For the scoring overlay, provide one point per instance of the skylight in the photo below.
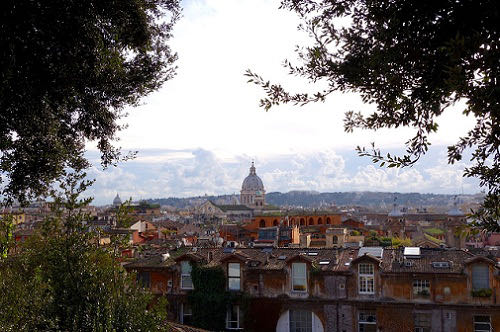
(324, 262)
(412, 252)
(441, 265)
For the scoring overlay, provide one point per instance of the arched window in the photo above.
(320, 221)
(302, 222)
(299, 320)
(275, 222)
(335, 239)
(328, 221)
(262, 223)
(311, 221)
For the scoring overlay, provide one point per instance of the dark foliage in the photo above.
(67, 70)
(210, 300)
(413, 59)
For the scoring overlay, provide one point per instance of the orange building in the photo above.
(315, 219)
(320, 221)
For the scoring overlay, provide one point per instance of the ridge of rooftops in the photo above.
(428, 260)
(297, 213)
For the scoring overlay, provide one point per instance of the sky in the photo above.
(199, 133)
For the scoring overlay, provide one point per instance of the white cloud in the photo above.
(199, 171)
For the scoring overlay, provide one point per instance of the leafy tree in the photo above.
(6, 234)
(69, 68)
(62, 280)
(413, 60)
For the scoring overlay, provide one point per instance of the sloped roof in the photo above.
(327, 260)
(394, 261)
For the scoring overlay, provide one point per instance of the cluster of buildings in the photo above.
(362, 289)
(309, 270)
(325, 271)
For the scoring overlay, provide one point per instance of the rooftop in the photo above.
(392, 260)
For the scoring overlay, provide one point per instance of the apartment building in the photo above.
(342, 289)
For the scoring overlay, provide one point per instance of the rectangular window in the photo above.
(186, 314)
(422, 322)
(300, 321)
(299, 277)
(234, 276)
(480, 277)
(144, 279)
(482, 324)
(366, 279)
(233, 318)
(367, 322)
(421, 287)
(186, 282)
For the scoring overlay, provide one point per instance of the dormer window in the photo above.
(366, 278)
(480, 277)
(186, 282)
(234, 276)
(299, 277)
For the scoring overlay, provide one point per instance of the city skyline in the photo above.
(197, 172)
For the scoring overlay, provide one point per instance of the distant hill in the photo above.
(310, 199)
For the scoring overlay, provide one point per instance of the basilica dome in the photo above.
(252, 182)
